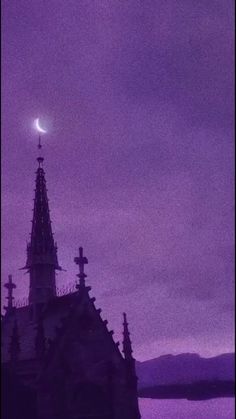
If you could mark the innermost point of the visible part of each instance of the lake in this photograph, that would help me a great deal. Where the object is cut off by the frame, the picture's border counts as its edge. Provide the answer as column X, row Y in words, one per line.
column 183, row 409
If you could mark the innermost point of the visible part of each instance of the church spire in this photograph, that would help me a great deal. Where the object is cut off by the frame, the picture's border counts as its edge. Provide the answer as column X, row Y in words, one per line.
column 42, row 250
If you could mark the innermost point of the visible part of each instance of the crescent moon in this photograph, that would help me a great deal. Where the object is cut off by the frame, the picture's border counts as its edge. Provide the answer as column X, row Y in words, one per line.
column 37, row 126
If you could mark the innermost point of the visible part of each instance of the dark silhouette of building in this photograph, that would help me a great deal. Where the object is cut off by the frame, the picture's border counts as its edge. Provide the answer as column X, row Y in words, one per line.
column 59, row 347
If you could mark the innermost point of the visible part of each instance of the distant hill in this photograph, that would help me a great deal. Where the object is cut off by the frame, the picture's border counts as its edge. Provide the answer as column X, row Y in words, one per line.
column 172, row 375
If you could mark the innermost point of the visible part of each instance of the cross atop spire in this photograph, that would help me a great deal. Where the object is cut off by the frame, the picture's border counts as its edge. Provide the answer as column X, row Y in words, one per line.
column 81, row 261
column 39, row 143
column 10, row 287
column 40, row 159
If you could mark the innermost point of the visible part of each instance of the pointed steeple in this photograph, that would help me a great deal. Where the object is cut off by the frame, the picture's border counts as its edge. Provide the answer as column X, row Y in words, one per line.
column 10, row 287
column 14, row 348
column 42, row 250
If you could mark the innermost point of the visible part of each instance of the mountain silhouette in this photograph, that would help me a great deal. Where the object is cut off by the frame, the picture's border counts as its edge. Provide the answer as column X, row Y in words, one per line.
column 185, row 368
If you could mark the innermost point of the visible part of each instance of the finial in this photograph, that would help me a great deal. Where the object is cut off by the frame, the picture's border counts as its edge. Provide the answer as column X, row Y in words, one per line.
column 40, row 159
column 40, row 131
column 10, row 286
column 81, row 261
column 39, row 143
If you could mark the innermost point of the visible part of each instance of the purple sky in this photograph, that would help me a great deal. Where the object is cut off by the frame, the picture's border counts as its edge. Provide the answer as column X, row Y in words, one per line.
column 138, row 100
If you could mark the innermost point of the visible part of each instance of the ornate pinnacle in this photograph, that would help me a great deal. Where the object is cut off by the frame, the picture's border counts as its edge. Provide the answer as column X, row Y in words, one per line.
column 127, row 346
column 131, row 376
column 81, row 261
column 10, row 286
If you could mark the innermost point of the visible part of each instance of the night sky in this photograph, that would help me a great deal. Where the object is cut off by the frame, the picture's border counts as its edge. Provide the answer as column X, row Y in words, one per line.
column 137, row 97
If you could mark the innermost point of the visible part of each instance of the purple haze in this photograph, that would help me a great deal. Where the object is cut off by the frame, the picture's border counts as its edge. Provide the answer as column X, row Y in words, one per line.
column 138, row 100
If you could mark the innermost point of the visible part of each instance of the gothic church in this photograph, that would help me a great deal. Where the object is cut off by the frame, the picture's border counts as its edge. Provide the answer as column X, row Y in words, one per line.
column 57, row 349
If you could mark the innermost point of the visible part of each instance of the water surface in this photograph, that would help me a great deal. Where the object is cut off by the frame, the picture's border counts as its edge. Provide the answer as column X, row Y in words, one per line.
column 184, row 409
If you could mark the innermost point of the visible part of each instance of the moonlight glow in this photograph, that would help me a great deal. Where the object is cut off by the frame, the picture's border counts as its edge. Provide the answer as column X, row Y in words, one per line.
column 38, row 127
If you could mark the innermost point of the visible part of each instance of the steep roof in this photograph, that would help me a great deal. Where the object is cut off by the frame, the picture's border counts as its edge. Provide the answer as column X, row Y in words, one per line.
column 56, row 309
column 74, row 310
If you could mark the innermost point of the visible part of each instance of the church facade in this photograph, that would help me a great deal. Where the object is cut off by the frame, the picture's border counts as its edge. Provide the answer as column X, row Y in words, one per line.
column 59, row 347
